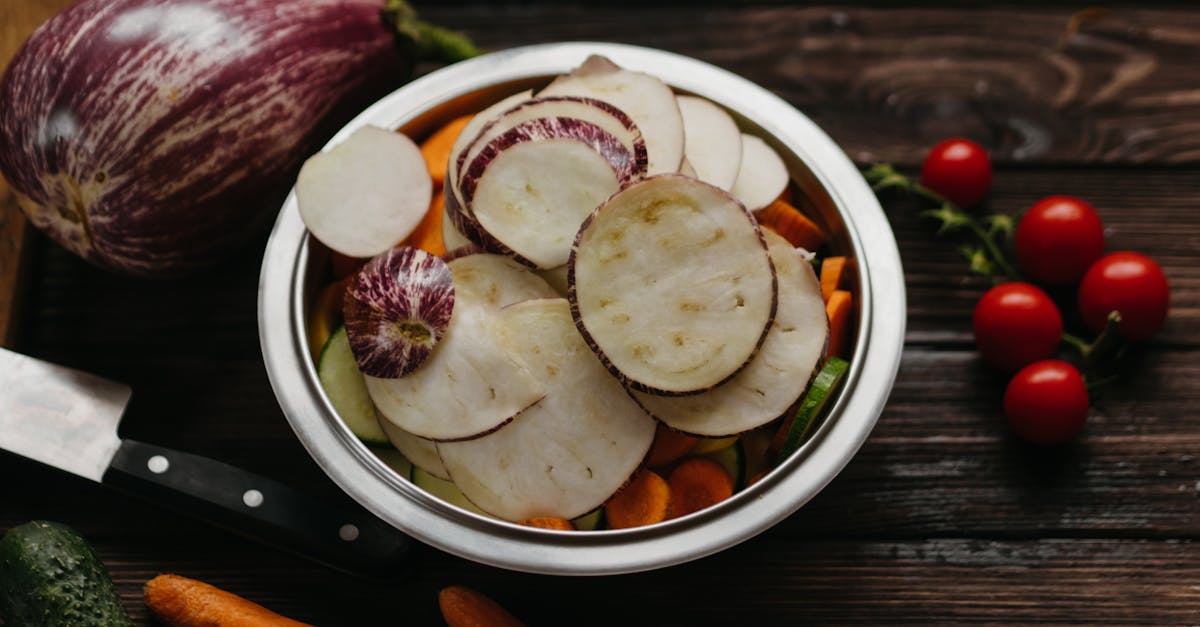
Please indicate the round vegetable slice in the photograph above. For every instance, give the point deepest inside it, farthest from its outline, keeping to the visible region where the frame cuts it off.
(366, 194)
(420, 452)
(568, 453)
(346, 389)
(458, 153)
(778, 374)
(671, 285)
(763, 175)
(712, 141)
(471, 384)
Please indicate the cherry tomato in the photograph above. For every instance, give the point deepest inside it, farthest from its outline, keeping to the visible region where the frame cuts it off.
(1130, 283)
(959, 170)
(1058, 239)
(1016, 324)
(1046, 402)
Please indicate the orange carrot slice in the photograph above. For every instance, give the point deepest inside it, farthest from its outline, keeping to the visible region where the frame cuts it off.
(181, 602)
(436, 149)
(838, 310)
(428, 234)
(643, 501)
(832, 269)
(464, 607)
(696, 484)
(792, 225)
(668, 446)
(549, 522)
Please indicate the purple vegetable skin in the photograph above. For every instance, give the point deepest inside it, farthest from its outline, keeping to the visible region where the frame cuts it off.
(143, 135)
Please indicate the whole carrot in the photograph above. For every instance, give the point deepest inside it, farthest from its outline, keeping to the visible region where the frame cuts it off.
(181, 602)
(464, 607)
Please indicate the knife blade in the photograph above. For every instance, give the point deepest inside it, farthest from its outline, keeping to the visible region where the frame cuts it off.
(68, 419)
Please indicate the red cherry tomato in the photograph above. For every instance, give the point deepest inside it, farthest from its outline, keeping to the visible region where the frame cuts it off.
(1016, 324)
(1046, 402)
(959, 170)
(1058, 239)
(1130, 283)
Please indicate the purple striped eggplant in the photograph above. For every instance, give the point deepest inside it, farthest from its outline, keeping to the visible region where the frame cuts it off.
(147, 135)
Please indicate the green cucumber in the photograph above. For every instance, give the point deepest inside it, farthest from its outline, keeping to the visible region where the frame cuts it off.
(444, 490)
(347, 390)
(49, 575)
(822, 388)
(733, 460)
(593, 521)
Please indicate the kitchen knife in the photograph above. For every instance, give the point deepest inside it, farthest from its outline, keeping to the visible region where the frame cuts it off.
(68, 419)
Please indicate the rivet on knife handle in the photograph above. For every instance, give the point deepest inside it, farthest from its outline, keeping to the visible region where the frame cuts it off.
(347, 539)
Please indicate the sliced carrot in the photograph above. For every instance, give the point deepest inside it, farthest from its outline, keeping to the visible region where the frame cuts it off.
(549, 522)
(464, 607)
(643, 501)
(428, 234)
(792, 225)
(832, 269)
(696, 484)
(669, 445)
(838, 310)
(181, 602)
(436, 149)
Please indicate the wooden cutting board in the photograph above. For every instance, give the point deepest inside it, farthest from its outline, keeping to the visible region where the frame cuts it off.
(18, 18)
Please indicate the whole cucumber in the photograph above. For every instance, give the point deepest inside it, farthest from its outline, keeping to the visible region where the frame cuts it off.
(50, 576)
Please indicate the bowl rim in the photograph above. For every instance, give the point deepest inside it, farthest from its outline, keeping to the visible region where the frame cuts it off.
(357, 471)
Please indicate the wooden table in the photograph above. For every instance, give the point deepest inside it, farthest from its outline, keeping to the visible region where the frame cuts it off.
(943, 516)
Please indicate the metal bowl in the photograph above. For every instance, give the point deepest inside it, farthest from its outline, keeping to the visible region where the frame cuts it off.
(830, 188)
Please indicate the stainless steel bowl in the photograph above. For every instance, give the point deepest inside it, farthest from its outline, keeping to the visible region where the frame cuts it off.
(293, 270)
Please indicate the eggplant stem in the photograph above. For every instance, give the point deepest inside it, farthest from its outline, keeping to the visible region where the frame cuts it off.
(432, 42)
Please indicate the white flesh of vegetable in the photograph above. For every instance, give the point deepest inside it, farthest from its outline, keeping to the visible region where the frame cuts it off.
(557, 278)
(471, 131)
(471, 384)
(533, 196)
(778, 374)
(571, 451)
(645, 99)
(686, 169)
(762, 176)
(712, 141)
(421, 452)
(672, 285)
(365, 194)
(451, 236)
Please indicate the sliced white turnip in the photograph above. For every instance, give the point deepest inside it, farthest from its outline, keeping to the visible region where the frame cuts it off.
(778, 374)
(397, 309)
(452, 235)
(421, 452)
(365, 194)
(763, 175)
(471, 131)
(557, 278)
(645, 99)
(530, 188)
(602, 114)
(472, 383)
(568, 453)
(671, 285)
(712, 143)
(686, 169)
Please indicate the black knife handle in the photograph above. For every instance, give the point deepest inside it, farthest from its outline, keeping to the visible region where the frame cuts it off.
(350, 540)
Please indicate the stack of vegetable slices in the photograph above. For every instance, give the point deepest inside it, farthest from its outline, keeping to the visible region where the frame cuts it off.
(593, 306)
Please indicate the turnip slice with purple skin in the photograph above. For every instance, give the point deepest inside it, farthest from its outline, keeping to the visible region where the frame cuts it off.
(421, 452)
(779, 373)
(566, 455)
(763, 175)
(645, 99)
(530, 188)
(146, 136)
(712, 142)
(366, 194)
(602, 114)
(471, 131)
(671, 285)
(472, 384)
(397, 309)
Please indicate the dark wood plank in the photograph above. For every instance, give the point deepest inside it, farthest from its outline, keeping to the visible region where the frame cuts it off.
(888, 84)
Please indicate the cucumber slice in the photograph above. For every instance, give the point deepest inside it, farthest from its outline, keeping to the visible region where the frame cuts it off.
(733, 460)
(590, 522)
(347, 390)
(444, 490)
(393, 459)
(823, 386)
